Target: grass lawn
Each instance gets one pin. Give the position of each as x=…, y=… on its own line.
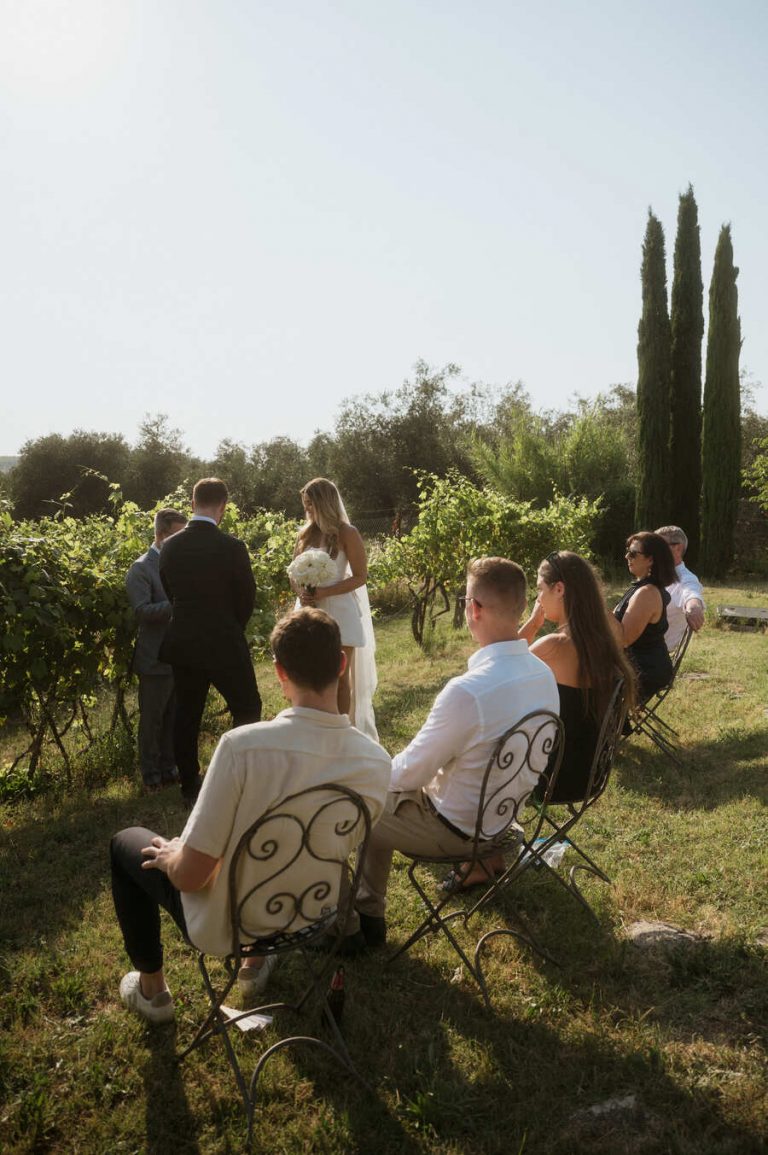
x=683, y=1033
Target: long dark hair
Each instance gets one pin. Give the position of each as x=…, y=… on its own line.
x=601, y=659
x=654, y=546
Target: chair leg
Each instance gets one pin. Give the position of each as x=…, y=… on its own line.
x=435, y=922
x=522, y=931
x=523, y=935
x=211, y=1024
x=667, y=745
x=216, y=1024
x=588, y=865
x=251, y=1096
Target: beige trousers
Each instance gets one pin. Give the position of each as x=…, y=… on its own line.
x=408, y=824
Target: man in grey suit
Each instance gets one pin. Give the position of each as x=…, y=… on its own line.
x=152, y=610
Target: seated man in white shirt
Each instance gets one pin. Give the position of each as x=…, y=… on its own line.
x=687, y=605
x=253, y=769
x=432, y=804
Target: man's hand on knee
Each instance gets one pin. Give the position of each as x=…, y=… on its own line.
x=188, y=869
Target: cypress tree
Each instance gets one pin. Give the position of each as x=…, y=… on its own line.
x=653, y=361
x=721, y=428
x=687, y=325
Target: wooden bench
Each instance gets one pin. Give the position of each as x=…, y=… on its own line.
x=743, y=617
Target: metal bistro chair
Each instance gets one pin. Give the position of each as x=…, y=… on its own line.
x=519, y=758
x=560, y=814
x=645, y=718
x=285, y=889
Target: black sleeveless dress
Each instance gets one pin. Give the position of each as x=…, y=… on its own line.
x=581, y=733
x=649, y=653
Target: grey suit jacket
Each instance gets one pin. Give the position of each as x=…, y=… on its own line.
x=152, y=611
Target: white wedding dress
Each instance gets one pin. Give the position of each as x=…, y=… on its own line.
x=344, y=608
x=352, y=611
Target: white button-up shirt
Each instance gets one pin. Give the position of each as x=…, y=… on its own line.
x=686, y=587
x=449, y=755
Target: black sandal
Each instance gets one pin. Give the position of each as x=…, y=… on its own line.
x=453, y=883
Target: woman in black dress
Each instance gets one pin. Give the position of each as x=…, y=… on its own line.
x=642, y=612
x=585, y=656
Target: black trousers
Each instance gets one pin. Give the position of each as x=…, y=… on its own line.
x=138, y=896
x=236, y=684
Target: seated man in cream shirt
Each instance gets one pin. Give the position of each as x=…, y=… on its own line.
x=252, y=770
x=687, y=604
x=435, y=790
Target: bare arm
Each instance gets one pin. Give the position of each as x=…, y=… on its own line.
x=530, y=628
x=694, y=613
x=618, y=632
x=186, y=868
x=559, y=653
x=353, y=547
x=644, y=607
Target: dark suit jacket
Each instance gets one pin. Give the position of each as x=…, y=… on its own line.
x=152, y=611
x=208, y=578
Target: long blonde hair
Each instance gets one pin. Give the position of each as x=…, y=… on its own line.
x=327, y=516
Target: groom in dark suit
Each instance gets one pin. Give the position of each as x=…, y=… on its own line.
x=208, y=578
x=152, y=611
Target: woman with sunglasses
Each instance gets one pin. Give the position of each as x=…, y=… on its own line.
x=642, y=612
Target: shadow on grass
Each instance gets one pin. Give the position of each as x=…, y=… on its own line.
x=170, y=1125
x=59, y=863
x=713, y=989
x=525, y=1082
x=713, y=772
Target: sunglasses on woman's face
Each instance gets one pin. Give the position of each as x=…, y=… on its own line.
x=634, y=553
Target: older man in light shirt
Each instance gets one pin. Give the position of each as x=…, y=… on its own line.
x=687, y=605
x=435, y=789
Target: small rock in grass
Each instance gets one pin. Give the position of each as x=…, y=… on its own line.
x=620, y=1124
x=624, y=1103
x=650, y=934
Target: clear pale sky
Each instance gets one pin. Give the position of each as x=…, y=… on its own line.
x=240, y=212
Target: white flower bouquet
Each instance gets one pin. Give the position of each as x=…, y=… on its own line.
x=311, y=569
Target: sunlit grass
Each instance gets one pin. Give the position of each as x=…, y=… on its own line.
x=685, y=1034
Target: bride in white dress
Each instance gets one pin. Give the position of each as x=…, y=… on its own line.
x=345, y=598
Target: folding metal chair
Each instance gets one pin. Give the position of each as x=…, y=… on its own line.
x=287, y=886
x=645, y=718
x=519, y=758
x=560, y=817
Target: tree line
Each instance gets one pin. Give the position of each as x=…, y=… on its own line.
x=690, y=457
x=648, y=458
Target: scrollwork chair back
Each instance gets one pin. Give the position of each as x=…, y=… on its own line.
x=286, y=874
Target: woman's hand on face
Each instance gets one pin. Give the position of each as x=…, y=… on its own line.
x=537, y=614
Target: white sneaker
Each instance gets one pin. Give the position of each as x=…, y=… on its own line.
x=155, y=1010
x=253, y=980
